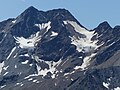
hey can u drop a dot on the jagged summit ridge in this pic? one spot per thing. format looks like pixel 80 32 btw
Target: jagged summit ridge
pixel 31 16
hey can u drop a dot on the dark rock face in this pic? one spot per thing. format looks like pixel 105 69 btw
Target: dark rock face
pixel 52 51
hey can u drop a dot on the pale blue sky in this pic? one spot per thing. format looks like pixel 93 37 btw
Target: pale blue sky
pixel 88 12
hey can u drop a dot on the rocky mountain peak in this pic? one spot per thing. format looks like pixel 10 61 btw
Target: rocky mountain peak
pixel 31 10
pixel 104 25
pixel 51 50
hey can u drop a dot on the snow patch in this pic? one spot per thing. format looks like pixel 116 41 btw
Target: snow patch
pixel 65 22
pixel 52 68
pixel 30 65
pixel 106 85
pixel 5 68
pixel 11 53
pixel 72 72
pixel 83 44
pixel 117 88
pixel 44 26
pixel 38 82
pixel 1 66
pixel 66 74
pixel 21 85
pixel 14 21
pixel 29 42
pixel 2 86
pixel 80 57
pixel 109 79
pixel 54 34
pixel 55 84
pixel 30 76
pixel 5 73
pixel 30 79
pixel 33 40
pixel 15 55
pixel 72 79
pixel 24 55
pixel 86 62
pixel 15 66
pixel 34 80
pixel 18 84
pixel 25 62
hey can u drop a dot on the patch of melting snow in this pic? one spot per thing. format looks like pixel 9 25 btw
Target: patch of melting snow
pixel 38 82
pixel 2 86
pixel 25 55
pixel 11 53
pixel 109 79
pixel 5 73
pixel 53 75
pixel 55 84
pixel 33 40
pixel 30 79
pixel 52 67
pixel 15 66
pixel 106 85
pixel 1 66
pixel 86 62
pixel 30 76
pixel 61 71
pixel 25 62
pixel 30 65
pixel 15 55
pixel 54 34
pixel 21 85
pixel 44 26
pixel 14 21
pixel 17 83
pixel 5 68
pixel 72 79
pixel 34 80
pixel 66 74
pixel 72 72
pixel 65 22
pixel 117 88
pixel 69 73
pixel 29 43
pixel 82 44
pixel 80 57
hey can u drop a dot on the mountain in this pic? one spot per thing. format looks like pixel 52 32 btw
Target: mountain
pixel 51 50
